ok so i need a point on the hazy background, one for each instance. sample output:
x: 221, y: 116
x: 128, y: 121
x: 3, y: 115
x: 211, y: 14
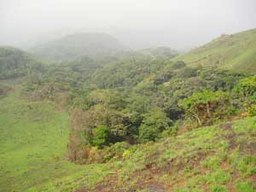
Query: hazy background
x: 180, y: 24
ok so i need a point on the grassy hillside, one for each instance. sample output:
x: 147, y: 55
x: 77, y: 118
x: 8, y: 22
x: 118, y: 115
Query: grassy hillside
x: 218, y: 158
x: 74, y: 46
x: 236, y: 52
x: 33, y: 144
x: 34, y: 138
x: 146, y: 121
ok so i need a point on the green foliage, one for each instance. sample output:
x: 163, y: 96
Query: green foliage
x: 86, y: 121
x: 246, y: 86
x: 203, y: 97
x: 188, y: 72
x: 246, y: 91
x: 15, y: 63
x: 153, y: 123
x: 252, y: 110
x: 206, y: 106
x: 115, y: 151
x: 101, y: 136
x: 216, y: 79
x: 111, y: 98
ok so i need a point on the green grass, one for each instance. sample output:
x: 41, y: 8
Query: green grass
x: 204, y: 159
x: 33, y: 145
x: 236, y: 52
x: 244, y: 186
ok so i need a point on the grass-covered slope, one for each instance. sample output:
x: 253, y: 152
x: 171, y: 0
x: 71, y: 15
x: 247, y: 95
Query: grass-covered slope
x: 138, y: 93
x: 236, y: 52
x: 34, y: 138
x: 218, y: 158
x: 33, y: 144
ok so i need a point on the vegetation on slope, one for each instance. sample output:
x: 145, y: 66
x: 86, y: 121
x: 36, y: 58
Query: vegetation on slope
x: 236, y: 52
x: 16, y: 63
x: 33, y: 147
x: 134, y: 117
x: 34, y: 138
x: 140, y: 98
x: 217, y: 158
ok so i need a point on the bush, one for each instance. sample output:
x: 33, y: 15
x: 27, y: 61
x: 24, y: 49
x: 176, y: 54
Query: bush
x: 101, y: 136
x: 154, y: 122
x: 246, y: 86
x: 206, y: 106
x: 179, y: 65
x: 245, y: 90
x: 252, y: 110
x: 188, y: 72
x: 115, y: 151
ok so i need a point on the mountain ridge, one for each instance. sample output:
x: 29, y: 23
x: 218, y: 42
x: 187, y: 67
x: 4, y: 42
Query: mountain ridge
x: 78, y: 45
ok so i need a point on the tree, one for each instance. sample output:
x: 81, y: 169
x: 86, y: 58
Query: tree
x: 246, y: 86
x: 206, y: 106
x: 87, y: 121
x: 154, y: 122
x: 246, y: 92
x: 101, y: 136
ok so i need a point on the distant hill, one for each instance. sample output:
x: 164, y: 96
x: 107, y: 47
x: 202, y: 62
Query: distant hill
x: 236, y: 52
x: 73, y: 47
x: 16, y: 63
x: 164, y: 52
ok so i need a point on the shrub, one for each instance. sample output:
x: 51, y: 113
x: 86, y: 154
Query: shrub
x: 206, y: 106
x: 187, y: 72
x: 179, y: 65
x: 154, y: 122
x: 115, y: 151
x: 246, y: 86
x: 246, y: 92
x: 101, y: 136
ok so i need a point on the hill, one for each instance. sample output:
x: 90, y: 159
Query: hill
x: 73, y: 47
x: 16, y: 63
x: 236, y: 52
x: 164, y: 52
x: 150, y: 120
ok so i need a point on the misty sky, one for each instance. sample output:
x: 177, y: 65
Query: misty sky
x: 180, y: 24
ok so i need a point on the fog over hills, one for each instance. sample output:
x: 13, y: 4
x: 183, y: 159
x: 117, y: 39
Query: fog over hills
x: 79, y: 45
x: 180, y: 24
